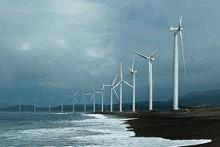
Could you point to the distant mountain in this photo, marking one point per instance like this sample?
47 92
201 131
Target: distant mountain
210 97
4 105
203 98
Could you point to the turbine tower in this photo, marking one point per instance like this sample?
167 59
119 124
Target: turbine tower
84 98
62 104
176 62
112 88
50 99
121 82
102 97
74 100
21 101
133 72
150 59
35 102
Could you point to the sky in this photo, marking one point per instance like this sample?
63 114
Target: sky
54 48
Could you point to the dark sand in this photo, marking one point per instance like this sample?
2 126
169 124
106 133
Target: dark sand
194 123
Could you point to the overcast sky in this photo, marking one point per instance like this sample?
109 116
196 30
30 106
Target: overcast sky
55 47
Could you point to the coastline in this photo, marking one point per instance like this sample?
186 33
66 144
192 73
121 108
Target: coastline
194 123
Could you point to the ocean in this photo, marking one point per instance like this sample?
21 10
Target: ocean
19 129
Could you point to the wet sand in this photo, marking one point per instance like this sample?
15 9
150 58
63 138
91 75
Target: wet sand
194 123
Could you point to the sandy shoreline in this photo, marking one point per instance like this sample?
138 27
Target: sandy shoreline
199 123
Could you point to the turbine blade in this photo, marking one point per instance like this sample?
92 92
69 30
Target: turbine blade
128 84
154 53
89 94
75 99
92 97
107 85
115 79
75 93
121 70
184 63
116 93
83 98
180 21
130 69
93 89
117 84
140 54
133 65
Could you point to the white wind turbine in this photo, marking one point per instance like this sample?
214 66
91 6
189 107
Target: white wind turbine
74 100
150 59
133 72
112 88
93 97
21 100
176 62
102 97
62 103
50 99
84 98
121 82
35 103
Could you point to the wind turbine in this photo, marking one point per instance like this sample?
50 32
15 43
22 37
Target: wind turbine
176 62
150 59
21 101
50 99
93 97
102 97
112 88
35 102
84 98
74 100
133 72
121 82
62 103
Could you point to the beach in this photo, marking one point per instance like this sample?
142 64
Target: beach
191 123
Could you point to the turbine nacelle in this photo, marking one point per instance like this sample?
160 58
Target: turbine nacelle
173 29
152 59
132 68
133 71
103 87
180 26
180 29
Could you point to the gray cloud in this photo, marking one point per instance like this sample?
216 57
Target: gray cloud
56 47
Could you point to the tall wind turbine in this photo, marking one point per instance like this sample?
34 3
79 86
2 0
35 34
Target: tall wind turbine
112 88
120 83
102 90
176 62
50 99
150 59
21 100
93 97
133 72
74 100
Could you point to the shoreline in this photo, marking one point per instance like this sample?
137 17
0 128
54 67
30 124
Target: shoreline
194 123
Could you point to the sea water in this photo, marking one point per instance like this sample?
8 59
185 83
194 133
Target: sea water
73 130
